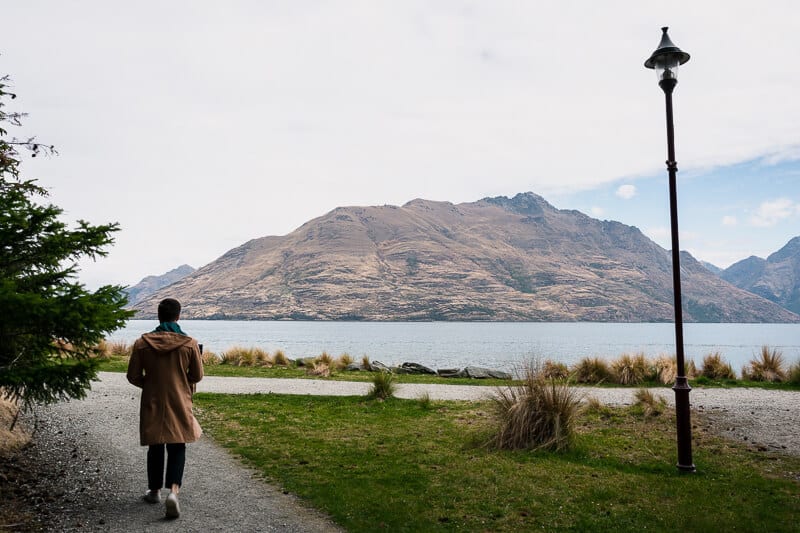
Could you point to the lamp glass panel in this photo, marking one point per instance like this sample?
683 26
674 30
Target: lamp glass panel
666 66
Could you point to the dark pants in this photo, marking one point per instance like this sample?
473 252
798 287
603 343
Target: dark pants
176 457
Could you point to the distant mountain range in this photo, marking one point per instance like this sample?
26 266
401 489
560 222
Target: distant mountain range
517 259
151 284
776 278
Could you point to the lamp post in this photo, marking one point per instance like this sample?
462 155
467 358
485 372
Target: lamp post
665 60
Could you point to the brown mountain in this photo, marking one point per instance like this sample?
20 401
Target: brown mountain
495 259
776 278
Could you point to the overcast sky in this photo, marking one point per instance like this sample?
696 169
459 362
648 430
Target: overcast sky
199 125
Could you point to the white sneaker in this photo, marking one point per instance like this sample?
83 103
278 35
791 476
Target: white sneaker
173 507
152 496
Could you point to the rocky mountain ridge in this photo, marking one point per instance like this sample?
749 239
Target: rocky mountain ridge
776 278
502 259
151 284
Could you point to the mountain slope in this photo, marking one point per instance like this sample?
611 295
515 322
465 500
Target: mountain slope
495 259
151 284
776 278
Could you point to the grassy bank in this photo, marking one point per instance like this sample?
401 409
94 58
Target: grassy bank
120 364
404 465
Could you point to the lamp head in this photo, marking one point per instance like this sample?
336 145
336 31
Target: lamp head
666 59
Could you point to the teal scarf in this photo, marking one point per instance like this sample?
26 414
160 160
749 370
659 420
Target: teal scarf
172 327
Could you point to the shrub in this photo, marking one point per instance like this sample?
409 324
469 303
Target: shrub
714 367
280 359
591 370
630 369
554 370
383 386
651 404
766 366
539 414
365 362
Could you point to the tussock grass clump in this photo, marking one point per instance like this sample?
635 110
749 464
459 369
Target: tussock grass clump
106 350
591 370
239 356
554 370
209 358
594 404
324 358
120 349
794 373
664 369
715 367
539 414
365 362
768 365
425 401
630 369
383 386
319 368
343 360
279 358
651 404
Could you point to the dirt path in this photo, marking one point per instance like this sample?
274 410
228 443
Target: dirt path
98 476
96 473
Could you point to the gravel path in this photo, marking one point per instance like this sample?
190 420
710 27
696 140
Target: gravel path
100 436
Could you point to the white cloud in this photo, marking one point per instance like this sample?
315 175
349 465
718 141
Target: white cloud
771 212
597 211
729 220
626 192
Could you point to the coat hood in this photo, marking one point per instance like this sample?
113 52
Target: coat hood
164 341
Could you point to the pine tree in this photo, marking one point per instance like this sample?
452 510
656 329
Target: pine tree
49 323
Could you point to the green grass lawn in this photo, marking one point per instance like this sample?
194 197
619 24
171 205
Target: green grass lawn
406 465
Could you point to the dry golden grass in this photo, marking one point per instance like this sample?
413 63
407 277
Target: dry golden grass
210 358
664 369
768 365
319 368
539 414
342 361
794 373
365 362
591 370
325 358
554 370
593 403
715 367
279 358
239 356
11 440
630 369
651 404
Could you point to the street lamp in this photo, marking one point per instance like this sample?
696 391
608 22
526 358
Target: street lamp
666 60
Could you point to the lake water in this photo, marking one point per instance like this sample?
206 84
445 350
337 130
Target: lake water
495 344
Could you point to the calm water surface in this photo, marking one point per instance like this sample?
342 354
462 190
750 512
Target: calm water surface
499 345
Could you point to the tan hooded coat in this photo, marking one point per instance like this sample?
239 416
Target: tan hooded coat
166 366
